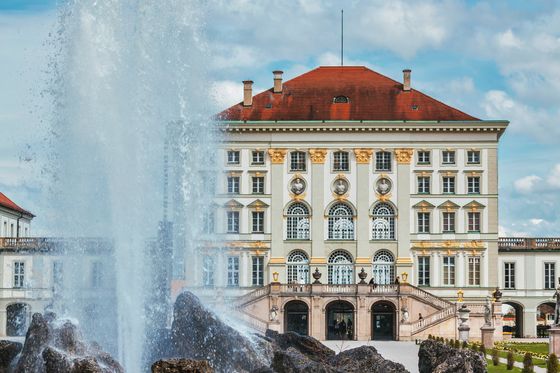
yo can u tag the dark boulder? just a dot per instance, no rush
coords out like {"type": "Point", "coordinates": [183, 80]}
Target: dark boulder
{"type": "Point", "coordinates": [308, 346]}
{"type": "Point", "coordinates": [292, 360]}
{"type": "Point", "coordinates": [53, 345]}
{"type": "Point", "coordinates": [365, 359]}
{"type": "Point", "coordinates": [8, 351]}
{"type": "Point", "coordinates": [437, 357]}
{"type": "Point", "coordinates": [181, 366]}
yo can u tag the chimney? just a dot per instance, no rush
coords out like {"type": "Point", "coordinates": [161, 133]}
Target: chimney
{"type": "Point", "coordinates": [406, 79]}
{"type": "Point", "coordinates": [277, 81]}
{"type": "Point", "coordinates": [247, 93]}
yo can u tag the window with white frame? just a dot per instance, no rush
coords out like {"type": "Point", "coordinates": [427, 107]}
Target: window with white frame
{"type": "Point", "coordinates": [233, 156]}
{"type": "Point", "coordinates": [473, 157]}
{"type": "Point", "coordinates": [19, 274]}
{"type": "Point", "coordinates": [297, 220]}
{"type": "Point", "coordinates": [258, 270]}
{"type": "Point", "coordinates": [423, 185]}
{"type": "Point", "coordinates": [258, 184]}
{"type": "Point", "coordinates": [257, 157]}
{"type": "Point", "coordinates": [208, 222]}
{"type": "Point", "coordinates": [341, 222]}
{"type": "Point", "coordinates": [383, 269]}
{"type": "Point", "coordinates": [448, 270]}
{"type": "Point", "coordinates": [383, 161]}
{"type": "Point", "coordinates": [258, 221]}
{"type": "Point", "coordinates": [297, 161]}
{"type": "Point", "coordinates": [448, 157]}
{"type": "Point", "coordinates": [473, 218]}
{"type": "Point", "coordinates": [298, 267]}
{"type": "Point", "coordinates": [383, 225]}
{"type": "Point", "coordinates": [340, 268]}
{"type": "Point", "coordinates": [549, 275]}
{"type": "Point", "coordinates": [233, 271]}
{"type": "Point", "coordinates": [423, 222]}
{"type": "Point", "coordinates": [341, 161]}
{"type": "Point", "coordinates": [448, 221]}
{"type": "Point", "coordinates": [233, 184]}
{"type": "Point", "coordinates": [208, 270]}
{"type": "Point", "coordinates": [232, 221]}
{"type": "Point", "coordinates": [509, 275]}
{"type": "Point", "coordinates": [474, 270]}
{"type": "Point", "coordinates": [473, 184]}
{"type": "Point", "coordinates": [58, 274]}
{"type": "Point", "coordinates": [423, 271]}
{"type": "Point", "coordinates": [423, 157]}
{"type": "Point", "coordinates": [448, 184]}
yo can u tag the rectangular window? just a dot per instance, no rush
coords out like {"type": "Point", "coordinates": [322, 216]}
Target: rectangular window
{"type": "Point", "coordinates": [473, 157]}
{"type": "Point", "coordinates": [233, 184]}
{"type": "Point", "coordinates": [19, 274]}
{"type": "Point", "coordinates": [233, 222]}
{"type": "Point", "coordinates": [474, 221]}
{"type": "Point", "coordinates": [509, 275]}
{"type": "Point", "coordinates": [423, 222]}
{"type": "Point", "coordinates": [58, 275]}
{"type": "Point", "coordinates": [233, 271]}
{"type": "Point", "coordinates": [341, 161]}
{"type": "Point", "coordinates": [258, 184]}
{"type": "Point", "coordinates": [449, 184]}
{"type": "Point", "coordinates": [423, 271]}
{"type": "Point", "coordinates": [449, 270]}
{"type": "Point", "coordinates": [258, 221]}
{"type": "Point", "coordinates": [423, 185]}
{"type": "Point", "coordinates": [448, 222]}
{"type": "Point", "coordinates": [208, 270]}
{"type": "Point", "coordinates": [96, 274]}
{"type": "Point", "coordinates": [423, 157]}
{"type": "Point", "coordinates": [549, 275]}
{"type": "Point", "coordinates": [258, 157]}
{"type": "Point", "coordinates": [208, 222]}
{"type": "Point", "coordinates": [383, 161]}
{"type": "Point", "coordinates": [258, 271]}
{"type": "Point", "coordinates": [474, 270]}
{"type": "Point", "coordinates": [233, 156]}
{"type": "Point", "coordinates": [448, 157]}
{"type": "Point", "coordinates": [473, 185]}
{"type": "Point", "coordinates": [297, 161]}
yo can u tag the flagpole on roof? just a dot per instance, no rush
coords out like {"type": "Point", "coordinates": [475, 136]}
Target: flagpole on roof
{"type": "Point", "coordinates": [342, 37]}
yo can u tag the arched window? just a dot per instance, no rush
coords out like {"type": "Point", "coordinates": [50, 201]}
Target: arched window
{"type": "Point", "coordinates": [298, 222]}
{"type": "Point", "coordinates": [341, 222]}
{"type": "Point", "coordinates": [383, 272]}
{"type": "Point", "coordinates": [17, 319]}
{"type": "Point", "coordinates": [340, 268]}
{"type": "Point", "coordinates": [298, 267]}
{"type": "Point", "coordinates": [383, 227]}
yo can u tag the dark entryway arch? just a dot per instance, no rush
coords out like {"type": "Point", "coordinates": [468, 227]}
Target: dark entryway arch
{"type": "Point", "coordinates": [16, 319]}
{"type": "Point", "coordinates": [512, 319]}
{"type": "Point", "coordinates": [383, 321]}
{"type": "Point", "coordinates": [296, 317]}
{"type": "Point", "coordinates": [545, 318]}
{"type": "Point", "coordinates": [340, 320]}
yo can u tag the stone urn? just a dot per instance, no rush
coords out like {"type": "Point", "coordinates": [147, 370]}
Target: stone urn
{"type": "Point", "coordinates": [316, 276]}
{"type": "Point", "coordinates": [362, 275]}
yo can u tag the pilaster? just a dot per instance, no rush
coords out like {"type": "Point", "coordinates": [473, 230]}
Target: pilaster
{"type": "Point", "coordinates": [318, 157]}
{"type": "Point", "coordinates": [363, 158]}
{"type": "Point", "coordinates": [277, 157]}
{"type": "Point", "coordinates": [404, 258]}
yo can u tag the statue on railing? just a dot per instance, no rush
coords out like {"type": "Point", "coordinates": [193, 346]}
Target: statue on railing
{"type": "Point", "coordinates": [488, 312]}
{"type": "Point", "coordinates": [557, 308]}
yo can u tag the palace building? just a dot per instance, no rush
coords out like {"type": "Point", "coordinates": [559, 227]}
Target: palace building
{"type": "Point", "coordinates": [341, 181]}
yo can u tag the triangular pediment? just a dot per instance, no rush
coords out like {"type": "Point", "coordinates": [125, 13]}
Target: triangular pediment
{"type": "Point", "coordinates": [233, 204]}
{"type": "Point", "coordinates": [257, 204]}
{"type": "Point", "coordinates": [449, 205]}
{"type": "Point", "coordinates": [423, 205]}
{"type": "Point", "coordinates": [474, 205]}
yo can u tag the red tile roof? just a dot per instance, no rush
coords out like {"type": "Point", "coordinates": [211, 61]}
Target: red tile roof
{"type": "Point", "coordinates": [9, 204]}
{"type": "Point", "coordinates": [372, 96]}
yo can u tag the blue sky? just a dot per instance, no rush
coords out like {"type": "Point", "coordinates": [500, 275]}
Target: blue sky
{"type": "Point", "coordinates": [492, 59]}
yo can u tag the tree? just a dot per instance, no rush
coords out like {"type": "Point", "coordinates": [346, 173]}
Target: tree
{"type": "Point", "coordinates": [495, 357]}
{"type": "Point", "coordinates": [552, 364]}
{"type": "Point", "coordinates": [510, 360]}
{"type": "Point", "coordinates": [527, 364]}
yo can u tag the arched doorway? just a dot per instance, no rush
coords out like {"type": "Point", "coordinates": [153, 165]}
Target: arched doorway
{"type": "Point", "coordinates": [340, 321]}
{"type": "Point", "coordinates": [383, 271]}
{"type": "Point", "coordinates": [296, 317]}
{"type": "Point", "coordinates": [16, 319]}
{"type": "Point", "coordinates": [512, 320]}
{"type": "Point", "coordinates": [545, 318]}
{"type": "Point", "coordinates": [383, 321]}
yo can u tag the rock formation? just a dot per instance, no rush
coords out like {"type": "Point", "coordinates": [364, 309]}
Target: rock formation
{"type": "Point", "coordinates": [181, 366]}
{"type": "Point", "coordinates": [437, 357]}
{"type": "Point", "coordinates": [53, 345]}
{"type": "Point", "coordinates": [8, 351]}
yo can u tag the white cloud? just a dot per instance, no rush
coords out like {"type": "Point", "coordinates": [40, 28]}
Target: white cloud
{"type": "Point", "coordinates": [536, 221]}
{"type": "Point", "coordinates": [553, 178]}
{"type": "Point", "coordinates": [527, 184]}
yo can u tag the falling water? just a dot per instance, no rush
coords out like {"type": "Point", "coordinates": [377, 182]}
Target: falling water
{"type": "Point", "coordinates": [127, 77]}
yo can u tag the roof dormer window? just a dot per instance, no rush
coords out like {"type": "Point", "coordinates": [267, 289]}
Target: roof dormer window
{"type": "Point", "coordinates": [341, 100]}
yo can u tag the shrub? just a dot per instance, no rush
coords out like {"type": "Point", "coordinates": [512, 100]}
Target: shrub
{"type": "Point", "coordinates": [552, 364]}
{"type": "Point", "coordinates": [465, 345]}
{"type": "Point", "coordinates": [482, 350]}
{"type": "Point", "coordinates": [457, 344]}
{"type": "Point", "coordinates": [495, 357]}
{"type": "Point", "coordinates": [474, 347]}
{"type": "Point", "coordinates": [430, 336]}
{"type": "Point", "coordinates": [527, 364]}
{"type": "Point", "coordinates": [510, 360]}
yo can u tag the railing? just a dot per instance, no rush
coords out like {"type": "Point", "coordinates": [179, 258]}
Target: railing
{"type": "Point", "coordinates": [433, 319]}
{"type": "Point", "coordinates": [69, 245]}
{"type": "Point", "coordinates": [26, 293]}
{"type": "Point", "coordinates": [295, 288]}
{"type": "Point", "coordinates": [519, 243]}
{"type": "Point", "coordinates": [477, 308]}
{"type": "Point", "coordinates": [251, 321]}
{"type": "Point", "coordinates": [252, 296]}
{"type": "Point", "coordinates": [407, 289]}
{"type": "Point", "coordinates": [339, 289]}
{"type": "Point", "coordinates": [24, 242]}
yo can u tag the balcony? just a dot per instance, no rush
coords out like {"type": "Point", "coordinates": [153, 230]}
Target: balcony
{"type": "Point", "coordinates": [525, 244]}
{"type": "Point", "coordinates": [48, 244]}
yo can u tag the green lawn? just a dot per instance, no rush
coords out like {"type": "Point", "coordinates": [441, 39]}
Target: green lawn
{"type": "Point", "coordinates": [519, 358]}
{"type": "Point", "coordinates": [500, 368]}
{"type": "Point", "coordinates": [539, 348]}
